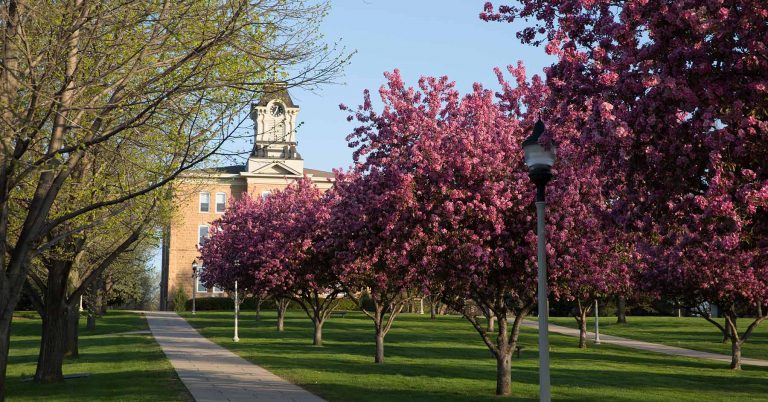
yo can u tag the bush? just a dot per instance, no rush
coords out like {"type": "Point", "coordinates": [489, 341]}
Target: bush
{"type": "Point", "coordinates": [346, 305]}
{"type": "Point", "coordinates": [179, 300]}
{"type": "Point", "coordinates": [366, 302]}
{"type": "Point", "coordinates": [226, 303]}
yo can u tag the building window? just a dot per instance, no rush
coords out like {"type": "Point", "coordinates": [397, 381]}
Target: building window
{"type": "Point", "coordinates": [202, 234]}
{"type": "Point", "coordinates": [221, 202]}
{"type": "Point", "coordinates": [199, 287]}
{"type": "Point", "coordinates": [205, 202]}
{"type": "Point", "coordinates": [265, 194]}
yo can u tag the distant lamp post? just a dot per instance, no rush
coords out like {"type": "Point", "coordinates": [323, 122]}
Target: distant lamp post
{"type": "Point", "coordinates": [237, 305]}
{"type": "Point", "coordinates": [539, 160]}
{"type": "Point", "coordinates": [597, 324]}
{"type": "Point", "coordinates": [194, 284]}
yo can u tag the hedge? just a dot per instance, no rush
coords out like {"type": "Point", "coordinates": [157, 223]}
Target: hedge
{"type": "Point", "coordinates": [226, 303]}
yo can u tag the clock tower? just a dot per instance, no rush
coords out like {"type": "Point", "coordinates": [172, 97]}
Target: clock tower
{"type": "Point", "coordinates": [274, 147]}
{"type": "Point", "coordinates": [203, 195]}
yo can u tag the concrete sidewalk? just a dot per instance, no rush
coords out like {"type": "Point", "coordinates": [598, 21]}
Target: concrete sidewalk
{"type": "Point", "coordinates": [213, 373]}
{"type": "Point", "coordinates": [648, 346]}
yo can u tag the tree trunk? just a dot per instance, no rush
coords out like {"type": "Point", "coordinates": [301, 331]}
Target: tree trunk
{"type": "Point", "coordinates": [443, 310]}
{"type": "Point", "coordinates": [727, 334]}
{"type": "Point", "coordinates": [73, 331]}
{"type": "Point", "coordinates": [379, 358]}
{"type": "Point", "coordinates": [735, 353]}
{"type": "Point", "coordinates": [580, 313]}
{"type": "Point", "coordinates": [91, 323]}
{"type": "Point", "coordinates": [582, 321]}
{"type": "Point", "coordinates": [504, 358]}
{"type": "Point", "coordinates": [282, 305]}
{"type": "Point", "coordinates": [504, 372]}
{"type": "Point", "coordinates": [5, 341]}
{"type": "Point", "coordinates": [258, 308]}
{"type": "Point", "coordinates": [318, 339]}
{"type": "Point", "coordinates": [491, 322]}
{"type": "Point", "coordinates": [432, 309]}
{"type": "Point", "coordinates": [729, 331]}
{"type": "Point", "coordinates": [621, 310]}
{"type": "Point", "coordinates": [53, 344]}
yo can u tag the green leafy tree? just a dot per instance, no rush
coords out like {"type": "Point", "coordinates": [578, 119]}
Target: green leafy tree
{"type": "Point", "coordinates": [151, 88]}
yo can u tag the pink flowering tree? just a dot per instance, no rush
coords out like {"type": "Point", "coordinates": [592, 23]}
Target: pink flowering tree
{"type": "Point", "coordinates": [674, 95]}
{"type": "Point", "coordinates": [224, 253]}
{"type": "Point", "coordinates": [444, 176]}
{"type": "Point", "coordinates": [235, 251]}
{"type": "Point", "coordinates": [294, 261]}
{"type": "Point", "coordinates": [371, 226]}
{"type": "Point", "coordinates": [591, 262]}
{"type": "Point", "coordinates": [278, 244]}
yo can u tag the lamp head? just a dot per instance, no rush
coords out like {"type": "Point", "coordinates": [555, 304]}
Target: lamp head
{"type": "Point", "coordinates": [194, 266]}
{"type": "Point", "coordinates": [539, 158]}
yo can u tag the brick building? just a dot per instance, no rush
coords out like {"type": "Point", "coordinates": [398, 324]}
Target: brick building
{"type": "Point", "coordinates": [201, 196]}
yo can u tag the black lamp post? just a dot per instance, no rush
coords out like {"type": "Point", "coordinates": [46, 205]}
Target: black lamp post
{"type": "Point", "coordinates": [539, 159]}
{"type": "Point", "coordinates": [194, 284]}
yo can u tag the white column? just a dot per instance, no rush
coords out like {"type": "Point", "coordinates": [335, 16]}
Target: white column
{"type": "Point", "coordinates": [597, 324]}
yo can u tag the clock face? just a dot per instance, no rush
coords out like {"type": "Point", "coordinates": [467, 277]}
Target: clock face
{"type": "Point", "coordinates": [277, 110]}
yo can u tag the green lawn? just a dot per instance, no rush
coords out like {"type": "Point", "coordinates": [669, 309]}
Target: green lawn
{"type": "Point", "coordinates": [122, 367]}
{"type": "Point", "coordinates": [685, 332]}
{"type": "Point", "coordinates": [444, 360]}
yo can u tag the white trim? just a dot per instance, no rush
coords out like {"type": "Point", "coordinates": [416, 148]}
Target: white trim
{"type": "Point", "coordinates": [200, 202]}
{"type": "Point", "coordinates": [216, 203]}
{"type": "Point", "coordinates": [289, 170]}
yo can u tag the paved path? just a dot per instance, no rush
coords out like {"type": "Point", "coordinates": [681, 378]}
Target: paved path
{"type": "Point", "coordinates": [213, 373]}
{"type": "Point", "coordinates": [648, 346]}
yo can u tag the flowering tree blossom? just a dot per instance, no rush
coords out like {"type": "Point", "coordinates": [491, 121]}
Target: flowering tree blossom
{"type": "Point", "coordinates": [372, 237]}
{"type": "Point", "coordinates": [228, 245]}
{"type": "Point", "coordinates": [592, 264]}
{"type": "Point", "coordinates": [675, 101]}
{"type": "Point", "coordinates": [294, 261]}
{"type": "Point", "coordinates": [445, 180]}
{"type": "Point", "coordinates": [238, 236]}
{"type": "Point", "coordinates": [277, 244]}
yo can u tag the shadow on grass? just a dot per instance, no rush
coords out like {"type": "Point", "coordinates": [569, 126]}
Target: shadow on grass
{"type": "Point", "coordinates": [121, 367]}
{"type": "Point", "coordinates": [446, 360]}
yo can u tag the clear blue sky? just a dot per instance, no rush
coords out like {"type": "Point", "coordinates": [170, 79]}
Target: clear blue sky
{"type": "Point", "coordinates": [420, 37]}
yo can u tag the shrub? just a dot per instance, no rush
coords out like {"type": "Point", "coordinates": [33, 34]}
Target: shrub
{"type": "Point", "coordinates": [226, 303]}
{"type": "Point", "coordinates": [179, 300]}
{"type": "Point", "coordinates": [346, 305]}
{"type": "Point", "coordinates": [211, 303]}
{"type": "Point", "coordinates": [366, 301]}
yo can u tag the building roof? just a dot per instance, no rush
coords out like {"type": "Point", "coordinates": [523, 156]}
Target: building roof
{"type": "Point", "coordinates": [277, 91]}
{"type": "Point", "coordinates": [234, 169]}
{"type": "Point", "coordinates": [222, 169]}
{"type": "Point", "coordinates": [319, 173]}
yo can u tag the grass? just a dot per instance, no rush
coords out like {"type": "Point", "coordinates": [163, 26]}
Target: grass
{"type": "Point", "coordinates": [122, 367]}
{"type": "Point", "coordinates": [444, 360]}
{"type": "Point", "coordinates": [685, 332]}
